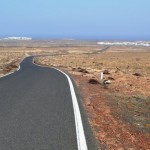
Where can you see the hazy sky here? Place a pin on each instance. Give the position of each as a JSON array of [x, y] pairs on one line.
[[88, 19]]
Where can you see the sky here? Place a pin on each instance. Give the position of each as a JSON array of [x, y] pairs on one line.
[[80, 19]]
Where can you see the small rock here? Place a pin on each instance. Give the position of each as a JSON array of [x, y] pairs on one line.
[[106, 72], [88, 104], [111, 78], [13, 66], [137, 74], [107, 82], [82, 70], [93, 81]]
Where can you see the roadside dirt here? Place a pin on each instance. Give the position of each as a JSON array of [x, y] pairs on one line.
[[9, 66], [111, 130]]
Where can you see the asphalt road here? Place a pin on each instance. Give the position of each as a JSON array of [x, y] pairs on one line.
[[36, 111]]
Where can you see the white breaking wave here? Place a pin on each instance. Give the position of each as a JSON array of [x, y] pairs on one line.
[[138, 43]]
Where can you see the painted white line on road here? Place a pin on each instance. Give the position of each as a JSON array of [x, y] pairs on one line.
[[6, 74], [19, 66], [81, 140]]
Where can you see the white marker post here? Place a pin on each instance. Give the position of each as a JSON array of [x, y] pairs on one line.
[[101, 76]]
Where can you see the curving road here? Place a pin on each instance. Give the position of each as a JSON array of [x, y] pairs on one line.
[[36, 111]]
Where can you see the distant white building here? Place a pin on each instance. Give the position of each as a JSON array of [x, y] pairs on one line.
[[138, 43], [17, 38]]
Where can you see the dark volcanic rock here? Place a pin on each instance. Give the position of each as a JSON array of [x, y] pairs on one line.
[[106, 72], [137, 74], [82, 70], [111, 78], [93, 81]]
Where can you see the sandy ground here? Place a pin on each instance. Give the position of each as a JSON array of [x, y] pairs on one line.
[[119, 113], [9, 62]]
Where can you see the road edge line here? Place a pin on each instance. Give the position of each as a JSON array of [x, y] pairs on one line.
[[81, 140]]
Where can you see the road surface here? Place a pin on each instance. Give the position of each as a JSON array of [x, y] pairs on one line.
[[36, 111]]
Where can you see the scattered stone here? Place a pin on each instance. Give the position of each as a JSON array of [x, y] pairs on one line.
[[137, 74], [73, 69], [111, 78], [89, 104], [117, 70], [106, 72], [93, 81], [128, 67], [13, 66], [107, 82], [7, 70], [82, 70]]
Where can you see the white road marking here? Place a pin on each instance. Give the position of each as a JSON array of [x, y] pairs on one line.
[[81, 140], [6, 74]]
